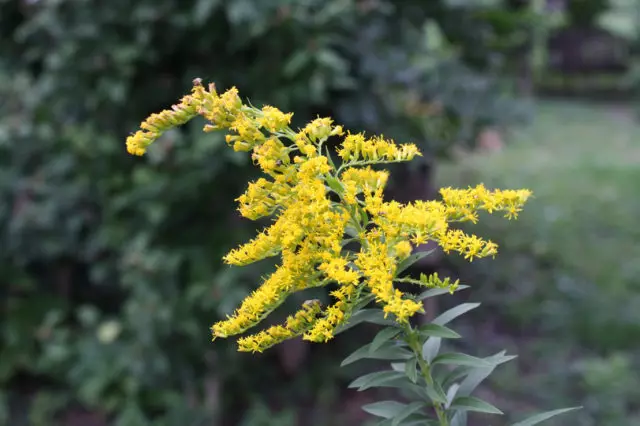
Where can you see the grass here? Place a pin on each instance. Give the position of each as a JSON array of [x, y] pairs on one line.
[[565, 286]]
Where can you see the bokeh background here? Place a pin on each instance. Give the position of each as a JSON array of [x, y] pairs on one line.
[[110, 270]]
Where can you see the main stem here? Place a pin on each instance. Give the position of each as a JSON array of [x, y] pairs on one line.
[[425, 371]]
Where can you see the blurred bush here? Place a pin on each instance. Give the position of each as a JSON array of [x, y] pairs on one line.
[[585, 13], [109, 265], [565, 283]]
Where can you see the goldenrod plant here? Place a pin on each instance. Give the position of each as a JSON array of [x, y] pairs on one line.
[[333, 228]]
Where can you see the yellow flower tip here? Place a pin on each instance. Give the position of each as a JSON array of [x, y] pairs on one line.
[[337, 131], [403, 249], [137, 143], [249, 348], [273, 119], [134, 150], [216, 333]]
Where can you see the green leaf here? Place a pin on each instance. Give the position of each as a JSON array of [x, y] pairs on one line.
[[398, 366], [454, 313], [334, 184], [411, 370], [448, 378], [296, 62], [500, 358], [383, 336], [378, 378], [405, 264], [401, 382], [471, 403], [459, 419], [346, 241], [435, 330], [432, 292], [539, 418], [351, 231], [479, 374], [375, 316], [419, 391], [329, 160], [460, 359], [388, 351], [431, 348], [421, 422], [364, 216], [364, 301], [385, 409], [435, 40], [408, 410], [436, 393], [451, 394]]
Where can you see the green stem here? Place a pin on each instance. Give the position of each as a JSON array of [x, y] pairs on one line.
[[425, 371], [365, 163]]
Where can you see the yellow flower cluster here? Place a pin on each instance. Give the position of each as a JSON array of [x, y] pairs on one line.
[[296, 324], [355, 148], [156, 124], [318, 207]]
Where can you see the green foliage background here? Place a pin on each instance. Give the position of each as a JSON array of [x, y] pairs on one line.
[[109, 265]]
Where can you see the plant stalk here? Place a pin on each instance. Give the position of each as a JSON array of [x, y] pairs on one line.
[[425, 371]]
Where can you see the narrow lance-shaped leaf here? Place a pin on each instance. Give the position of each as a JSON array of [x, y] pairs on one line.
[[408, 411], [436, 393], [388, 351], [449, 377], [460, 359], [375, 379], [421, 420], [431, 348], [454, 313], [459, 419], [539, 418], [470, 403], [399, 381], [398, 366], [385, 409], [435, 330], [364, 216], [334, 184], [405, 264], [451, 394], [383, 336], [329, 159], [374, 316], [411, 370], [433, 292], [479, 374]]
